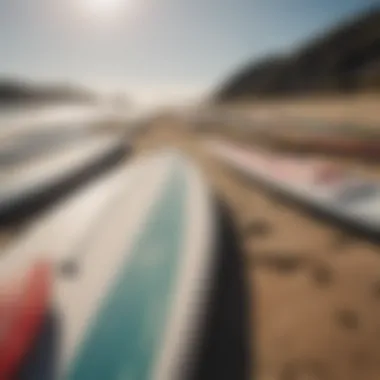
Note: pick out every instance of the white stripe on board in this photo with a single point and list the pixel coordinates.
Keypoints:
(193, 277)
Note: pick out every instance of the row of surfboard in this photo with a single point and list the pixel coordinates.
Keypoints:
(136, 275)
(345, 196)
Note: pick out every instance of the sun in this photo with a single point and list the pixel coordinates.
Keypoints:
(100, 6)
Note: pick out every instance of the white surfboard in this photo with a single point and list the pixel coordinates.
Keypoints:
(24, 121)
(35, 143)
(130, 260)
(27, 183)
(348, 197)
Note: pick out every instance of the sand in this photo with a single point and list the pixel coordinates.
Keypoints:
(361, 110)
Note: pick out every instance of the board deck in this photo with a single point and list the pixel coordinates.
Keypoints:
(25, 185)
(345, 196)
(140, 245)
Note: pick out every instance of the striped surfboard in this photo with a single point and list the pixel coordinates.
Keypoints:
(134, 264)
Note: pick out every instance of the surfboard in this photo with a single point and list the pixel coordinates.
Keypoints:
(24, 121)
(32, 184)
(344, 195)
(134, 277)
(29, 145)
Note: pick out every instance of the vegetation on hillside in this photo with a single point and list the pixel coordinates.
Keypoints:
(345, 60)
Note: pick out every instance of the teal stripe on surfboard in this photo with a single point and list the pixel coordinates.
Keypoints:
(127, 334)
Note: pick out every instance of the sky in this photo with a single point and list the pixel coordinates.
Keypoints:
(155, 50)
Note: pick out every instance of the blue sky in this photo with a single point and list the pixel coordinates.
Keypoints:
(154, 49)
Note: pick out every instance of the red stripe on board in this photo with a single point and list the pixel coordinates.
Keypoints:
(22, 317)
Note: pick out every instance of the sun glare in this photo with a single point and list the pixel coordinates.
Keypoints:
(100, 6)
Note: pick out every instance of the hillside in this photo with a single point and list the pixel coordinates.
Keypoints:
(18, 92)
(345, 60)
